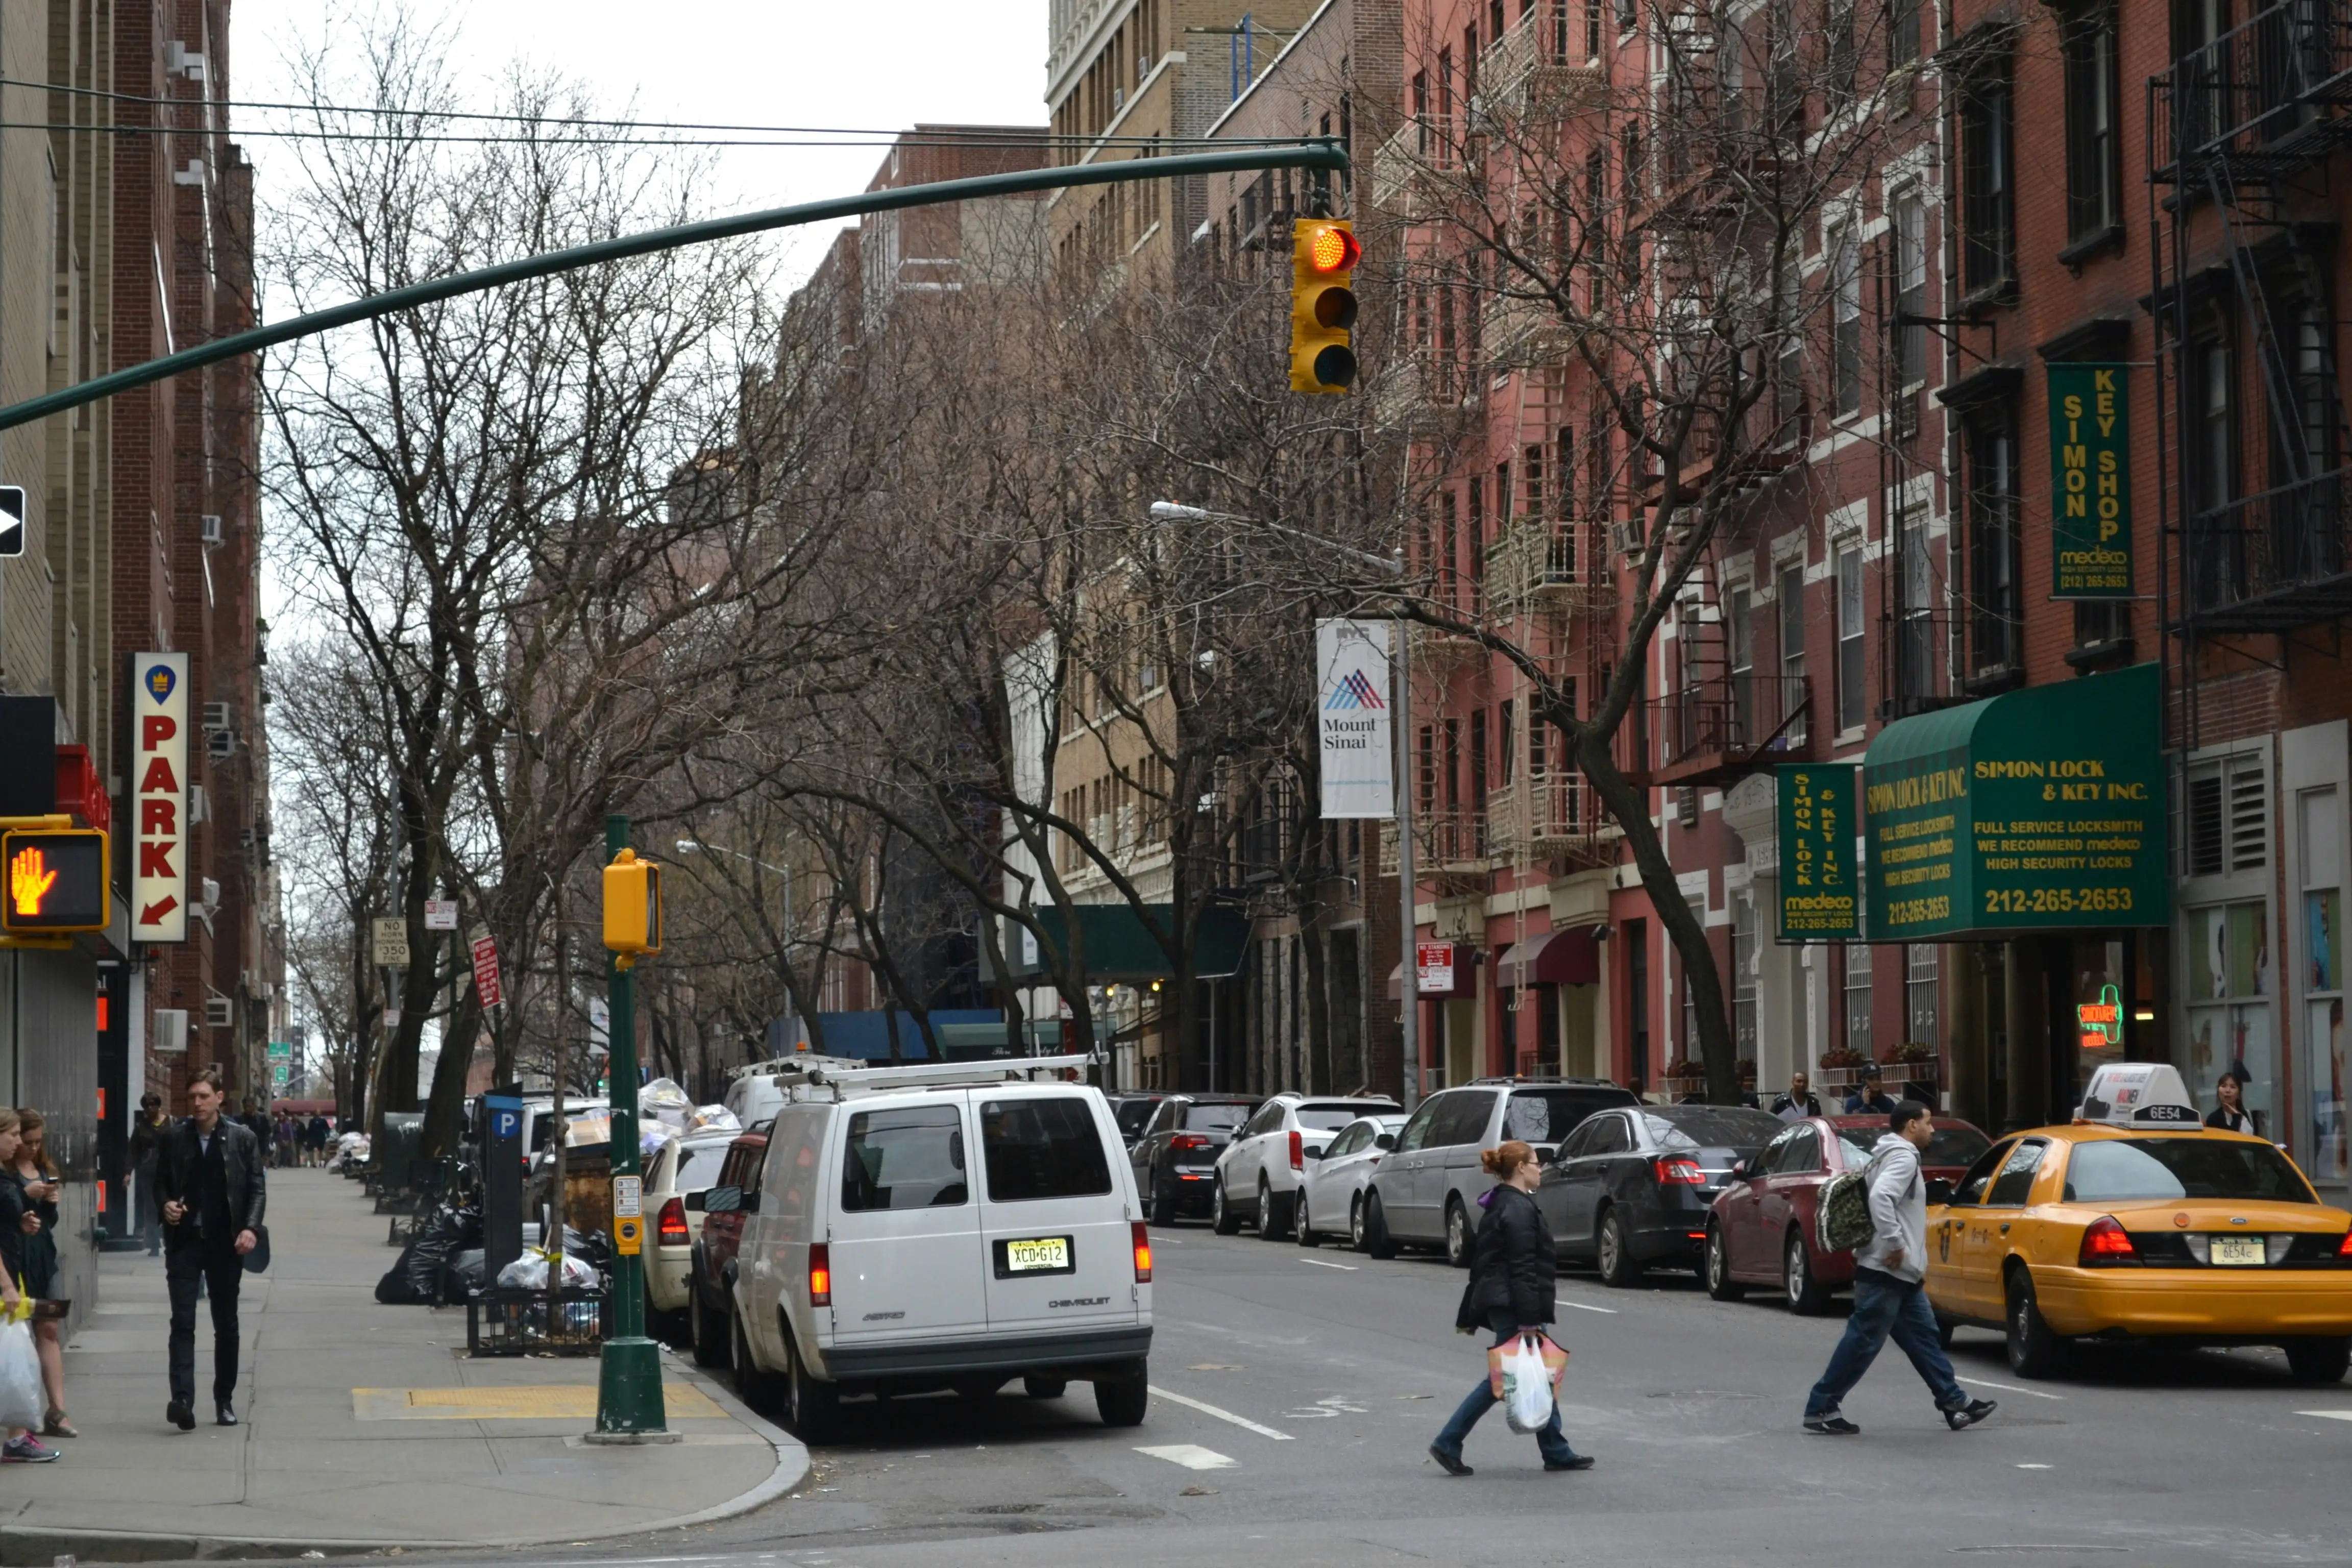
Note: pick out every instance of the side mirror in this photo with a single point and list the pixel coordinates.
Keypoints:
(717, 1200)
(1939, 1191)
(693, 1202)
(1385, 1140)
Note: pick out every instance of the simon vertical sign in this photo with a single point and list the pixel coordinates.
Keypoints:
(2090, 482)
(1821, 895)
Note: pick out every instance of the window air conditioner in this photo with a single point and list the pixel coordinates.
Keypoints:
(171, 1031)
(216, 716)
(222, 744)
(218, 1012)
(208, 527)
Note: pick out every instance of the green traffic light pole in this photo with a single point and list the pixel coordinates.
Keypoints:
(1322, 154)
(629, 1376)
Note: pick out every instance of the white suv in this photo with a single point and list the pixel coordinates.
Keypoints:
(883, 1258)
(1265, 1165)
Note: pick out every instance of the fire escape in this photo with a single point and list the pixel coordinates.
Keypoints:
(2242, 133)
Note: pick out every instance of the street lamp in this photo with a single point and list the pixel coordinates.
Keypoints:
(1400, 681)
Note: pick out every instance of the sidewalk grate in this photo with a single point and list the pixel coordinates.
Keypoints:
(554, 1402)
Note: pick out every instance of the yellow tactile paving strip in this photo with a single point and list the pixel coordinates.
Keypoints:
(555, 1401)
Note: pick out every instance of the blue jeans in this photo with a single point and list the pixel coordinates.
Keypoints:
(1481, 1399)
(1886, 1308)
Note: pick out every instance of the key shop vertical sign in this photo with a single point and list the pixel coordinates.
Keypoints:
(2090, 482)
(159, 797)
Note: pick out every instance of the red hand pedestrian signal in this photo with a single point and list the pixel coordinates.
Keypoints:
(57, 881)
(29, 881)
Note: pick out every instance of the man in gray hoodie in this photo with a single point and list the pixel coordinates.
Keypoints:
(1890, 1299)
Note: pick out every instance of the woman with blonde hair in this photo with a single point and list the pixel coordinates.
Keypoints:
(17, 1222)
(1514, 1272)
(36, 1174)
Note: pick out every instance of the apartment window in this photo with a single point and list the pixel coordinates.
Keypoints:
(1846, 323)
(2217, 566)
(1628, 13)
(1857, 999)
(2094, 171)
(1995, 613)
(1739, 636)
(1596, 228)
(1593, 10)
(1987, 177)
(1743, 975)
(1911, 289)
(1469, 62)
(1445, 88)
(1789, 373)
(1450, 766)
(1477, 758)
(1917, 584)
(1427, 776)
(1845, 60)
(1919, 991)
(1421, 111)
(1506, 742)
(1449, 545)
(1476, 519)
(1503, 494)
(1901, 33)
(1854, 708)
(1531, 482)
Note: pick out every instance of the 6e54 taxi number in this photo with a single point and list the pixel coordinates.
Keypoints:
(2057, 900)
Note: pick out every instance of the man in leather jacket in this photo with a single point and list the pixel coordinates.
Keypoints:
(209, 1177)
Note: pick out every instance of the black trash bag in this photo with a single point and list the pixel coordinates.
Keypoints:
(464, 1275)
(446, 1232)
(393, 1289)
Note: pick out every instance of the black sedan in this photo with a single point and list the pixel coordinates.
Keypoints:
(1630, 1186)
(1175, 1160)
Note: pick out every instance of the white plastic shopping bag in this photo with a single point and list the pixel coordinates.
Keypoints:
(1527, 1385)
(21, 1400)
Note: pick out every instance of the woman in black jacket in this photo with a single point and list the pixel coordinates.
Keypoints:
(1513, 1271)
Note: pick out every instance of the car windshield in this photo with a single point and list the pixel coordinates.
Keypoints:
(1550, 1115)
(2170, 1168)
(1712, 1127)
(1216, 1118)
(1950, 1145)
(1134, 1114)
(1328, 1118)
(698, 1167)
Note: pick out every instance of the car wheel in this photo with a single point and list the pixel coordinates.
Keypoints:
(1120, 1401)
(2319, 1357)
(1356, 1222)
(2034, 1350)
(756, 1387)
(1269, 1213)
(708, 1327)
(1044, 1387)
(1300, 1225)
(811, 1405)
(1378, 1242)
(1459, 1241)
(1619, 1266)
(1223, 1217)
(1806, 1296)
(1163, 1204)
(1719, 1282)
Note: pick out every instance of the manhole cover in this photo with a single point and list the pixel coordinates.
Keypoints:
(1008, 1507)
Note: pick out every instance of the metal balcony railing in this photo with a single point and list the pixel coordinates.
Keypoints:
(1530, 72)
(1543, 563)
(1715, 730)
(1551, 814)
(2264, 98)
(2271, 562)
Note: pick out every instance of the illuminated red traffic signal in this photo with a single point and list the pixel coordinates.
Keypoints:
(53, 880)
(1323, 257)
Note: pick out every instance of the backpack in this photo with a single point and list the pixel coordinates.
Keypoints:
(1843, 1221)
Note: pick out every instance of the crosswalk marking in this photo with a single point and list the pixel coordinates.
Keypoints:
(1191, 1456)
(2328, 1415)
(1207, 1409)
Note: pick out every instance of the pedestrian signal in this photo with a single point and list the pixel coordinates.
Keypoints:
(1323, 255)
(55, 882)
(632, 912)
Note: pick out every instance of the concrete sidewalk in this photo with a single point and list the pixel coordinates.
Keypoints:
(364, 1427)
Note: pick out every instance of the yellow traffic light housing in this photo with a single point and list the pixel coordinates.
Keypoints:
(1323, 255)
(53, 880)
(632, 907)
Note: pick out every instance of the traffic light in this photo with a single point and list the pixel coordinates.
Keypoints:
(1323, 255)
(633, 909)
(56, 880)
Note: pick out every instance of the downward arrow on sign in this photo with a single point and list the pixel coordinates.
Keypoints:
(158, 910)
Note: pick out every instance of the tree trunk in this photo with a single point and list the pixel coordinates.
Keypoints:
(1323, 1073)
(444, 1106)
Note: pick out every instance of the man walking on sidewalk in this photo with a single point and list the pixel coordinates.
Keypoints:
(211, 1181)
(1889, 1298)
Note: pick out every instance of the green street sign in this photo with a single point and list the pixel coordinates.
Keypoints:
(281, 1047)
(2090, 482)
(1821, 898)
(2042, 809)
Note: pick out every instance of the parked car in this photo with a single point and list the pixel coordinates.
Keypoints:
(1952, 1148)
(1175, 1160)
(948, 1225)
(680, 1169)
(1133, 1114)
(711, 1270)
(1630, 1189)
(1260, 1171)
(1427, 1191)
(1331, 1197)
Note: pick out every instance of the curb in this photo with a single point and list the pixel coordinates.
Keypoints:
(23, 1543)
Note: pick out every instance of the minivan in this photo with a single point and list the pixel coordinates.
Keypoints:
(944, 1225)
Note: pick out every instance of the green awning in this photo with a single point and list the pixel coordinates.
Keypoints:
(1117, 946)
(2041, 809)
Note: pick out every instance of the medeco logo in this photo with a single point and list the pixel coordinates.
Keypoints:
(1354, 689)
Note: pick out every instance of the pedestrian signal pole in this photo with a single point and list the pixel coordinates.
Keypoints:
(628, 1381)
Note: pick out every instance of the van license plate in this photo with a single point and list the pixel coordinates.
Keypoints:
(2240, 1251)
(1038, 1255)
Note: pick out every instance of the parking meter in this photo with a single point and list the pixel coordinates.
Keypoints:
(502, 1157)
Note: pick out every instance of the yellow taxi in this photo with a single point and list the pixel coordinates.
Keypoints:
(2137, 1222)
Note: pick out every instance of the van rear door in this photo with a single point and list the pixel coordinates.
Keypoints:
(1055, 1217)
(904, 1231)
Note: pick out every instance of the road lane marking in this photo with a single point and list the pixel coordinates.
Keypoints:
(2033, 1467)
(2007, 1387)
(2328, 1415)
(1193, 1457)
(1321, 1263)
(1206, 1408)
(1582, 1307)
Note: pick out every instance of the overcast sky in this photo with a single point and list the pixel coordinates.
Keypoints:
(764, 62)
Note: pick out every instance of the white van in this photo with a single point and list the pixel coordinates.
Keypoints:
(947, 1225)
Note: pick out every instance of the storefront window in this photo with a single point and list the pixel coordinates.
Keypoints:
(1857, 999)
(2231, 979)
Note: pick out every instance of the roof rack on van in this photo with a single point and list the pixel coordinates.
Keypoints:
(1550, 1077)
(846, 1075)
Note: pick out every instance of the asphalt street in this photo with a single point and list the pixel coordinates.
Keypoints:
(1297, 1391)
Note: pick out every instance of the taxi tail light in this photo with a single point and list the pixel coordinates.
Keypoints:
(2344, 1248)
(669, 1230)
(820, 1275)
(1680, 1173)
(2105, 1240)
(1143, 1253)
(1297, 1152)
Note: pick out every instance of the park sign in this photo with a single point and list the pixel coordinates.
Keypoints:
(2090, 482)
(1820, 896)
(2042, 809)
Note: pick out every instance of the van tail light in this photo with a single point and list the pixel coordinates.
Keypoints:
(1143, 1253)
(1680, 1173)
(669, 1230)
(1183, 1140)
(820, 1275)
(1297, 1152)
(2105, 1240)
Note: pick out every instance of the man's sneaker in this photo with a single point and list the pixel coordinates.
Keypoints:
(1969, 1414)
(1832, 1425)
(25, 1450)
(1450, 1463)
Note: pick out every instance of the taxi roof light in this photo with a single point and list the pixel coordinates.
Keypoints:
(2105, 1240)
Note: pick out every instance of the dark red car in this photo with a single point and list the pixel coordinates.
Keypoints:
(710, 1275)
(1759, 1229)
